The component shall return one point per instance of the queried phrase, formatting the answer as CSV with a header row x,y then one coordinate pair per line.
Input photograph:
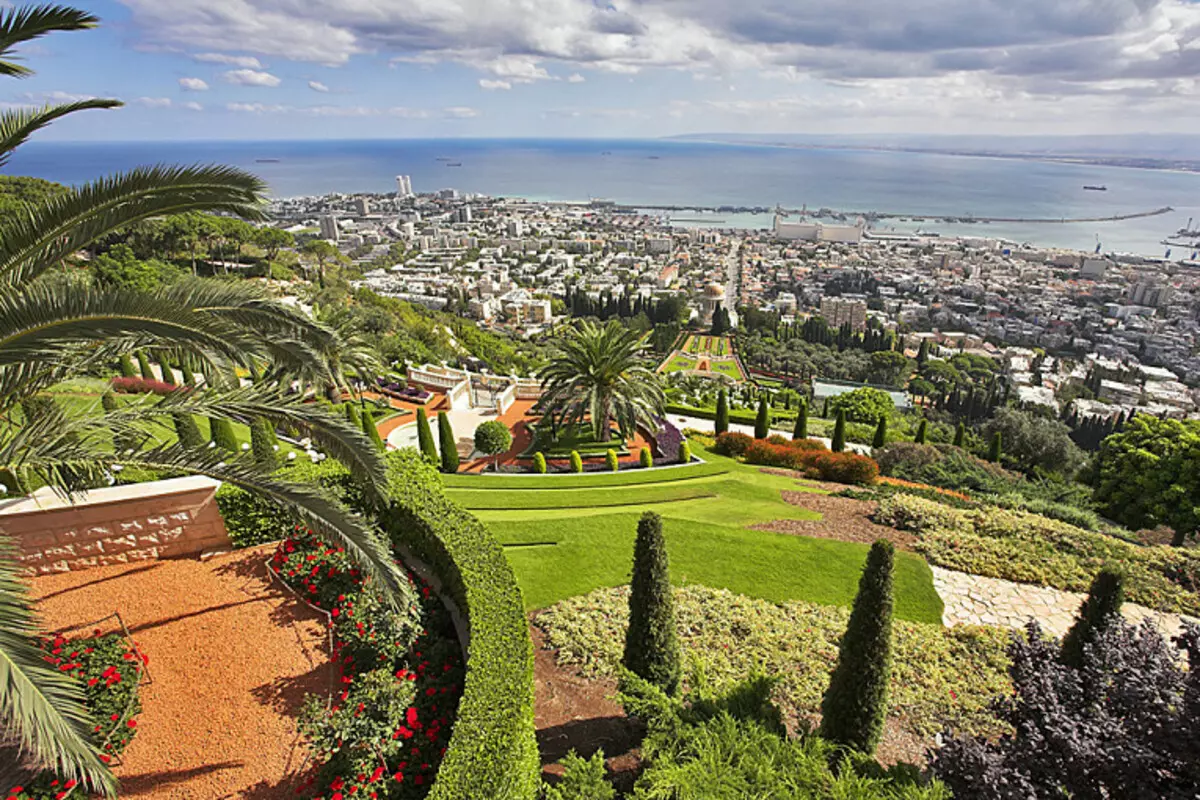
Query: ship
x,y
266,160
453,163
1096,188
442,158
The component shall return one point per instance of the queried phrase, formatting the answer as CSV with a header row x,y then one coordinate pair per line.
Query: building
x,y
819,231
329,228
363,206
1095,269
839,311
785,303
1148,293
516,229
462,214
713,296
661,246
404,186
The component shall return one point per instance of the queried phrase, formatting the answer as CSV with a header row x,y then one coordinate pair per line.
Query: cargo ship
x,y
1096,188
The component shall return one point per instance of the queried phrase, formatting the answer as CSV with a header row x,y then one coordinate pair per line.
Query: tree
x,y
889,367
801,429
880,440
1035,442
825,409
187,430
1147,475
189,377
960,434
1096,614
425,438
651,641
126,366
447,444
222,434
721,424
863,405
922,432
995,449
493,438
595,373
272,240
685,452
262,444
855,704
323,253
576,462
372,430
121,441
539,463
167,375
646,458
838,443
762,422
353,414
144,367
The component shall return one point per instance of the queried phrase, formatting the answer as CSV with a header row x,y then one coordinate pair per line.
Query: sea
x,y
664,172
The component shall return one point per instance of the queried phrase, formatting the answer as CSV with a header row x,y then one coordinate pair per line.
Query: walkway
x,y
232,657
976,600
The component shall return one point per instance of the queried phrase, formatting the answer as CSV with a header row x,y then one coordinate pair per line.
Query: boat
x,y
266,161
453,163
442,158
1096,188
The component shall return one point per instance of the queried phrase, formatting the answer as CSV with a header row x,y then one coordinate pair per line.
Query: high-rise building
x,y
363,206
404,186
329,228
837,311
463,214
516,229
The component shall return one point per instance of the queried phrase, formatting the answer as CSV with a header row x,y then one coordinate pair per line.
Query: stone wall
x,y
117,525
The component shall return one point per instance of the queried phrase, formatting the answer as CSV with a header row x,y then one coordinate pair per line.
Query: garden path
x,y
977,600
232,656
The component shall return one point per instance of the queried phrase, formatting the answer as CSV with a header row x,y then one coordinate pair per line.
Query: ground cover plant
x,y
940,677
1030,548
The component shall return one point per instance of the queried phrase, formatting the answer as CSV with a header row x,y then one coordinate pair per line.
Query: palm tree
x,y
53,328
595,374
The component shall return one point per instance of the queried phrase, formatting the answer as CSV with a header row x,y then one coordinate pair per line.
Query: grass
x,y
678,363
585,480
564,542
572,439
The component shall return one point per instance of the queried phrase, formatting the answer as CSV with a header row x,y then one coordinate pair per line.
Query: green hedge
x,y
492,752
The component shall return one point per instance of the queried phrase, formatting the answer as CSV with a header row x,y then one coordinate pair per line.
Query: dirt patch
x,y
842,518
575,713
232,656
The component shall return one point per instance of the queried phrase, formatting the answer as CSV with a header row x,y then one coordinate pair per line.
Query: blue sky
x,y
253,69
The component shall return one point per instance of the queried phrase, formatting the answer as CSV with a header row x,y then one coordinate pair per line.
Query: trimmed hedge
x,y
492,752
811,457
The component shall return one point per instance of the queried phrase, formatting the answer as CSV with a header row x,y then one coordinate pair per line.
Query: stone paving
x,y
976,600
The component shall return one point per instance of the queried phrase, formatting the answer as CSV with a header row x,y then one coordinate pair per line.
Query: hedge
x,y
492,752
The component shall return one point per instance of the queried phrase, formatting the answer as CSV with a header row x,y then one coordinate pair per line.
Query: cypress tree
x,y
223,435
187,430
1102,606
372,430
261,445
576,461
762,423
801,429
880,433
611,460
425,438
839,432
855,704
651,641
646,458
126,365
539,463
353,415
189,377
922,430
960,435
121,441
721,425
685,452
995,449
168,375
448,447
825,409
144,367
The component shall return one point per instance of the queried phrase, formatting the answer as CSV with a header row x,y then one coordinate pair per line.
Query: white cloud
x,y
257,108
576,78
154,102
193,84
192,105
42,98
249,77
454,112
247,62
492,85
317,86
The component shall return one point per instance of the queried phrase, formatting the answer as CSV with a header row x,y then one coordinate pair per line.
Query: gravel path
x,y
231,657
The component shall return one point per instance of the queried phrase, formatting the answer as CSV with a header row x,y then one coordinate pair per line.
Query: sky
x,y
297,69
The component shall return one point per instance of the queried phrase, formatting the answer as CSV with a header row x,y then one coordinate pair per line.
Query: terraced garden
x,y
567,535
704,354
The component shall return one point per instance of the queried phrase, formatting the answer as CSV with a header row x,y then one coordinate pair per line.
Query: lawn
x,y
678,363
564,542
575,438
585,480
728,368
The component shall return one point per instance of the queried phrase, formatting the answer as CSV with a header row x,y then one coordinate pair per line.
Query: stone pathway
x,y
976,600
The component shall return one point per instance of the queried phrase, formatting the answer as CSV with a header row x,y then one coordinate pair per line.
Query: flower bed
x,y
1029,548
385,730
805,455
110,671
940,677
137,385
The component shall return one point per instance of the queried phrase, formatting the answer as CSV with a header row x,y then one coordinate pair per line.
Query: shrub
x,y
994,449
125,364
582,779
762,422
685,452
189,377
222,434
646,458
372,430
167,375
137,385
880,439
493,438
447,445
732,444
839,433
651,644
922,432
144,367
960,435
1099,610
855,705
721,423
187,430
539,463
611,461
353,414
425,438
801,429
863,405
846,468
262,443
576,461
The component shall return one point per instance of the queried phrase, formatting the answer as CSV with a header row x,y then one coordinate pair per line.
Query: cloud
x,y
490,84
42,98
576,78
403,112
247,62
317,86
154,102
192,105
193,85
250,77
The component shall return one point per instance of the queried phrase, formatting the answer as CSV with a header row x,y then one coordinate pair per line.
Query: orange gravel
x,y
232,656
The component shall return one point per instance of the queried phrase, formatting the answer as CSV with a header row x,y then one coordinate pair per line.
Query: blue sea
x,y
665,172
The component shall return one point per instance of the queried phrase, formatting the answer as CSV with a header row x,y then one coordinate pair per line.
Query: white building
x,y
819,231
404,186
838,311
329,228
516,229
785,303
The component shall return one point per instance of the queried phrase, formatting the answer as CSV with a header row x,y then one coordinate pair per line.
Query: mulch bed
x,y
842,518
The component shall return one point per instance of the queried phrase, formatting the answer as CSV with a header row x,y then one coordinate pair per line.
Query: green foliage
x,y
372,430
863,405
1149,474
576,461
922,432
801,430
651,643
262,443
18,193
646,458
447,444
144,367
611,461
425,438
126,366
960,435
881,432
187,429
995,449
582,779
838,441
167,375
762,422
493,438
119,268
855,705
121,443
1101,608
1033,442
539,463
189,377
223,435
353,414
721,424
685,452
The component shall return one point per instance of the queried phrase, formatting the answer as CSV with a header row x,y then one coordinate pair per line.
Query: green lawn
x,y
728,369
568,541
577,438
679,363
585,480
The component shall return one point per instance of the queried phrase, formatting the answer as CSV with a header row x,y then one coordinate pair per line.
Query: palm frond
x,y
40,706
23,24
17,125
34,242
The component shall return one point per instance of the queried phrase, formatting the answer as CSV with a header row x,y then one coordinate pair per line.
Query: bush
x,y
493,438
762,422
610,460
539,463
125,364
222,434
142,386
425,439
646,458
800,431
576,461
863,405
685,452
167,375
372,430
721,422
447,445
582,779
651,645
839,433
846,468
1099,610
732,444
262,443
144,367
